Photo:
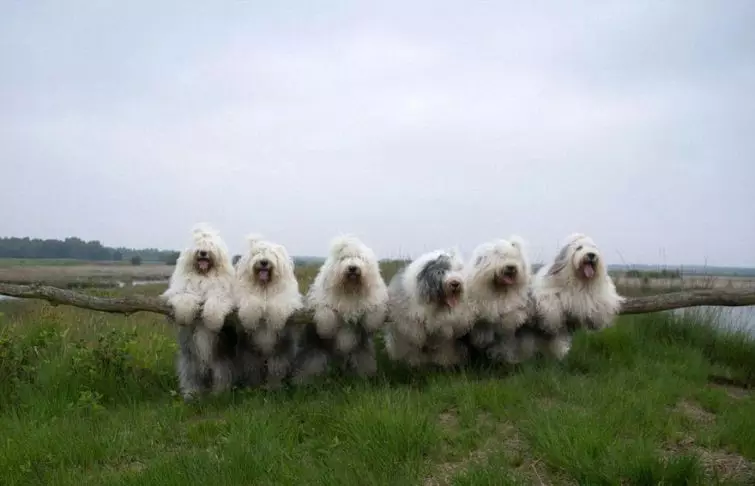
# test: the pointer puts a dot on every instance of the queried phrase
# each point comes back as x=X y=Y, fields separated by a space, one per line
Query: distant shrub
x=136 y=260
x=665 y=273
x=172 y=258
x=236 y=258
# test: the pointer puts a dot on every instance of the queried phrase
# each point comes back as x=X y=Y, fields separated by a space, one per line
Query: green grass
x=90 y=398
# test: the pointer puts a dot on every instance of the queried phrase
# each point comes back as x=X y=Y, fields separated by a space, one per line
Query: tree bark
x=138 y=303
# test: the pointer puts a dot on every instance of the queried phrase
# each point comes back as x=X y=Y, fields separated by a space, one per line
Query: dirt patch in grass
x=724 y=465
x=506 y=439
x=694 y=412
x=735 y=392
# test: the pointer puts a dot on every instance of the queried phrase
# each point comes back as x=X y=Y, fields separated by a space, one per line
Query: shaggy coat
x=573 y=292
x=267 y=294
x=348 y=297
x=200 y=293
x=498 y=278
x=428 y=311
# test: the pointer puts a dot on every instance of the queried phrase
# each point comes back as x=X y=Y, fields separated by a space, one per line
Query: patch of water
x=135 y=283
x=737 y=318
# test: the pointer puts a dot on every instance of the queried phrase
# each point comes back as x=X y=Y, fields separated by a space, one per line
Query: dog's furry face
x=581 y=257
x=207 y=253
x=499 y=265
x=353 y=264
x=439 y=280
x=266 y=263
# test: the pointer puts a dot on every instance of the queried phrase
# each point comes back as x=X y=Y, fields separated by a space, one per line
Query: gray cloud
x=414 y=126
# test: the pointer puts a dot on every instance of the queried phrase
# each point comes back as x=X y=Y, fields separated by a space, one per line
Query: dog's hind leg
x=309 y=365
x=188 y=367
x=362 y=360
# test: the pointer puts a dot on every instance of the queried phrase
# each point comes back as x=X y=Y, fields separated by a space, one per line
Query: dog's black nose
x=509 y=269
x=264 y=263
x=454 y=284
x=352 y=268
x=591 y=256
x=203 y=254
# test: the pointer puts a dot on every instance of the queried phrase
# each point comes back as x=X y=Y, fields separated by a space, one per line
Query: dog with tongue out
x=266 y=293
x=572 y=292
x=201 y=296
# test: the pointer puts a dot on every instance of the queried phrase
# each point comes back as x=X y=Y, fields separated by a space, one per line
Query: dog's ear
x=562 y=259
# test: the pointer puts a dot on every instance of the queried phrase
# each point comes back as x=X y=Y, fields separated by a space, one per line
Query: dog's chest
x=204 y=286
x=580 y=305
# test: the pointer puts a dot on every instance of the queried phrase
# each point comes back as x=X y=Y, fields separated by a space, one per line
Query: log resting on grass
x=139 y=303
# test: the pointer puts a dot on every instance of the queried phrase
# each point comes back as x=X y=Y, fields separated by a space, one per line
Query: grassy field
x=89 y=398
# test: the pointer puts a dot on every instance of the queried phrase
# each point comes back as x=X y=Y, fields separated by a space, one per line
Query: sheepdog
x=266 y=295
x=573 y=292
x=201 y=295
x=348 y=297
x=428 y=311
x=498 y=279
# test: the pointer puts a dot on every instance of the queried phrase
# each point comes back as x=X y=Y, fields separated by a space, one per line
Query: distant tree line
x=78 y=249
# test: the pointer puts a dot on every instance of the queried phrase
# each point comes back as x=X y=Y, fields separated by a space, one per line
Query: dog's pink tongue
x=264 y=275
x=508 y=279
x=452 y=300
x=588 y=270
x=204 y=265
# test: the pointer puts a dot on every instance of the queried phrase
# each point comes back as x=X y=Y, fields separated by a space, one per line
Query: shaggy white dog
x=349 y=299
x=498 y=279
x=267 y=294
x=573 y=292
x=428 y=311
x=202 y=279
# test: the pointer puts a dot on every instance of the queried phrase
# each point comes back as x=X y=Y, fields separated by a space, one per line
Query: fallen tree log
x=139 y=303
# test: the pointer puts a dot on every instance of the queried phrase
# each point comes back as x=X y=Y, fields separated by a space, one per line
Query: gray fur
x=562 y=259
x=197 y=378
x=317 y=354
x=255 y=368
x=430 y=280
x=402 y=342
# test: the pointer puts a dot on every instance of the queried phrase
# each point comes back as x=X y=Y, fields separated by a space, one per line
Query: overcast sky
x=415 y=125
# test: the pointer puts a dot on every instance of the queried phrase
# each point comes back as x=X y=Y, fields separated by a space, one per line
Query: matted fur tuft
x=498 y=277
x=267 y=294
x=202 y=279
x=428 y=311
x=572 y=292
x=348 y=297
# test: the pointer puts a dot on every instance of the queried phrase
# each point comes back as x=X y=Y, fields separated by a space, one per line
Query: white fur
x=506 y=308
x=559 y=291
x=413 y=321
x=333 y=300
x=274 y=301
x=188 y=289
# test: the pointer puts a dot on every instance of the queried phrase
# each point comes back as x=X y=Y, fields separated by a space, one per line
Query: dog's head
x=353 y=264
x=439 y=279
x=266 y=263
x=500 y=265
x=207 y=252
x=581 y=257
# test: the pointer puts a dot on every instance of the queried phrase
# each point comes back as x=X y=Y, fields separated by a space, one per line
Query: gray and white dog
x=573 y=292
x=348 y=297
x=200 y=293
x=428 y=311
